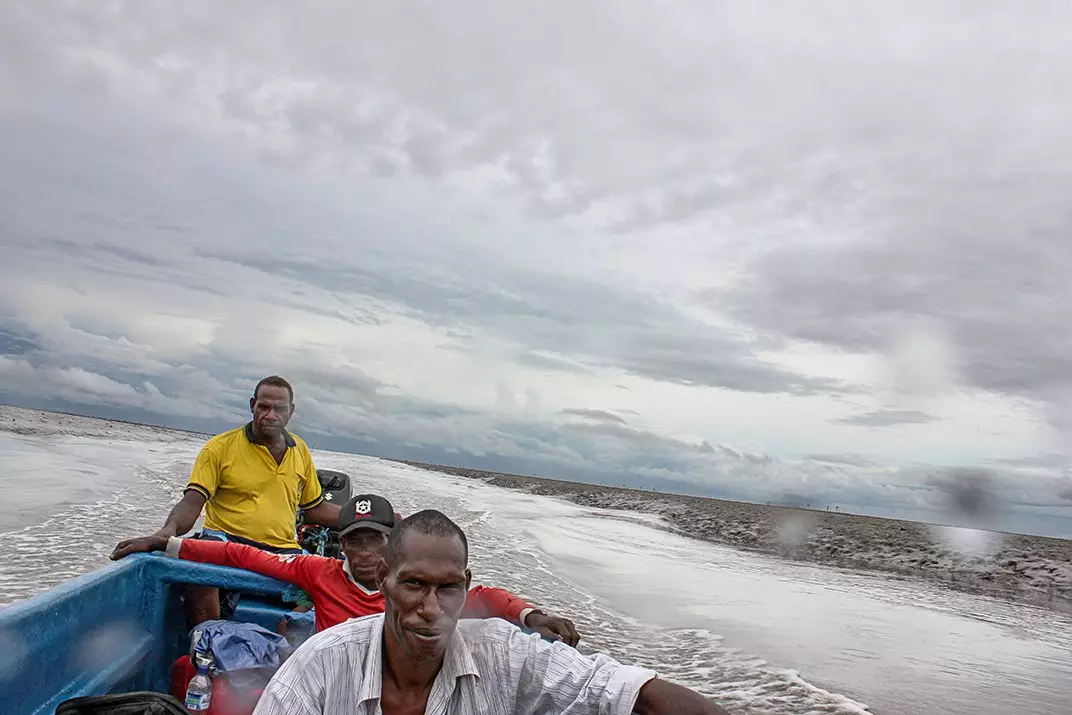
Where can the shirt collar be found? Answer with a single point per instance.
(354, 581)
(457, 663)
(253, 439)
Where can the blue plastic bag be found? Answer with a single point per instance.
(246, 652)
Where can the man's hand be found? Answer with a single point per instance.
(553, 628)
(156, 542)
(659, 697)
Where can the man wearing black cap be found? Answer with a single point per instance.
(346, 588)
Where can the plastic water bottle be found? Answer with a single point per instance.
(199, 691)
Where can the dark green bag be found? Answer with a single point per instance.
(137, 703)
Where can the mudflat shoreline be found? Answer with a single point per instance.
(39, 423)
(1033, 569)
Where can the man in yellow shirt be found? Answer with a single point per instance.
(251, 482)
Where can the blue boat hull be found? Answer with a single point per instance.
(115, 630)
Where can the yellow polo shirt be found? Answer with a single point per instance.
(249, 495)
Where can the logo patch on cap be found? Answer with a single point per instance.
(363, 507)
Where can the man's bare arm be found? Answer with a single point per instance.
(324, 513)
(184, 514)
(179, 521)
(659, 697)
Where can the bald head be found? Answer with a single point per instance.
(428, 522)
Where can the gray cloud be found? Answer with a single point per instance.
(995, 299)
(886, 418)
(590, 322)
(109, 256)
(941, 194)
(544, 361)
(75, 385)
(597, 415)
(1039, 461)
(16, 341)
(555, 322)
(851, 460)
(766, 125)
(850, 167)
(960, 243)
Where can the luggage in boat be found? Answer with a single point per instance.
(244, 656)
(245, 651)
(138, 703)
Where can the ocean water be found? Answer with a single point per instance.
(759, 634)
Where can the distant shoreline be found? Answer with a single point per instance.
(1033, 569)
(26, 421)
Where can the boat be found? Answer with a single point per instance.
(119, 629)
(116, 630)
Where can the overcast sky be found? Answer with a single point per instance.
(745, 250)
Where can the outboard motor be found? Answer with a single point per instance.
(323, 540)
(336, 485)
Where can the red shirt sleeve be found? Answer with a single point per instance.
(487, 602)
(301, 570)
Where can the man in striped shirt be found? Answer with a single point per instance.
(417, 658)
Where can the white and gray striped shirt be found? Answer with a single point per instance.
(491, 668)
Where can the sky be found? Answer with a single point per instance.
(785, 253)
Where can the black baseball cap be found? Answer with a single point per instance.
(366, 511)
